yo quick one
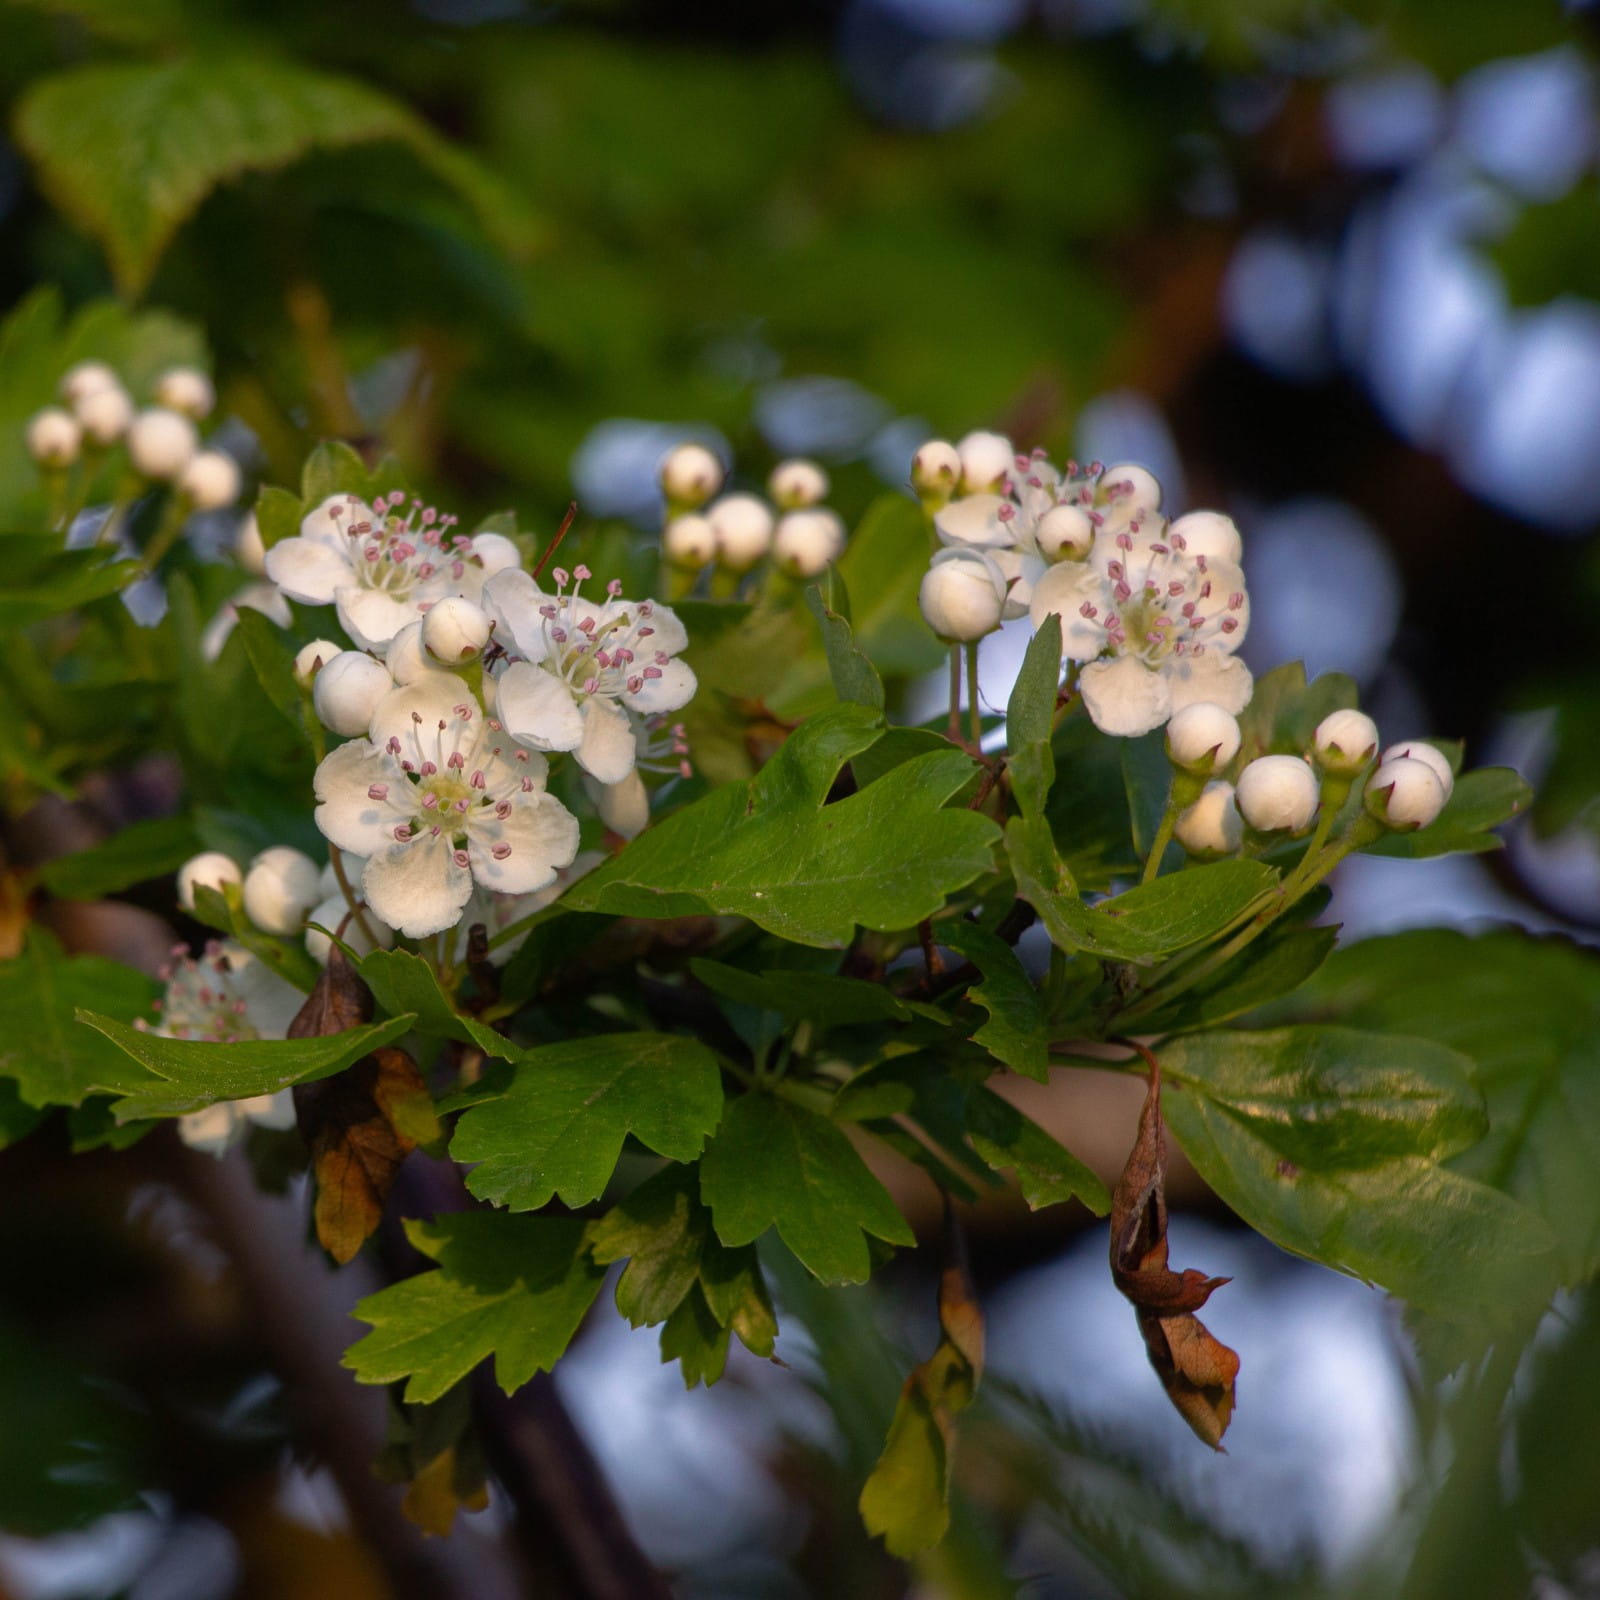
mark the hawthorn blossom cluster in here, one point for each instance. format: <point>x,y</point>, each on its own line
<point>790,529</point>
<point>1152,611</point>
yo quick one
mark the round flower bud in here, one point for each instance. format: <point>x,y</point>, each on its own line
<point>248,550</point>
<point>1345,741</point>
<point>347,691</point>
<point>332,911</point>
<point>689,541</point>
<point>54,437</point>
<point>986,459</point>
<point>1212,826</point>
<point>1404,793</point>
<point>936,469</point>
<point>280,888</point>
<point>742,525</point>
<point>210,481</point>
<point>804,542</point>
<point>210,868</point>
<point>186,389</point>
<point>312,658</point>
<point>1208,534</point>
<point>1202,737</point>
<point>690,475</point>
<point>1064,533</point>
<point>797,483</point>
<point>454,630</point>
<point>1131,487</point>
<point>104,414</point>
<point>406,658</point>
<point>161,444</point>
<point>83,378</point>
<point>962,595</point>
<point>1429,755</point>
<point>1277,792</point>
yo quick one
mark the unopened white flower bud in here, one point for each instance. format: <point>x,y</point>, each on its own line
<point>986,459</point>
<point>689,541</point>
<point>1064,533</point>
<point>1212,826</point>
<point>1277,792</point>
<point>280,888</point>
<point>624,807</point>
<point>331,912</point>
<point>690,475</point>
<point>312,658</point>
<point>742,526</point>
<point>1345,741</point>
<point>211,869</point>
<point>54,437</point>
<point>210,481</point>
<point>936,469</point>
<point>248,549</point>
<point>804,542</point>
<point>1209,534</point>
<point>161,444</point>
<point>1404,793</point>
<point>797,483</point>
<point>84,377</point>
<point>962,595</point>
<point>1430,755</point>
<point>186,389</point>
<point>1202,737</point>
<point>406,658</point>
<point>104,414</point>
<point>1126,484</point>
<point>454,630</point>
<point>347,691</point>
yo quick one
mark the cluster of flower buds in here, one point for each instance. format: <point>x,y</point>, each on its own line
<point>161,443</point>
<point>735,533</point>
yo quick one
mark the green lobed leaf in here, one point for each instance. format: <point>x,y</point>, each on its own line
<point>776,1164</point>
<point>854,676</point>
<point>1047,1172</point>
<point>1018,1029</point>
<point>53,1060</point>
<point>906,1499</point>
<point>558,1127</point>
<point>139,852</point>
<point>183,1075</point>
<point>660,1229</point>
<point>772,851</point>
<point>736,1292</point>
<point>403,983</point>
<point>694,1338</point>
<point>1351,1178</point>
<point>512,1287</point>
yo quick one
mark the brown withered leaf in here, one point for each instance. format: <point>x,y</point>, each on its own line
<point>1196,1369</point>
<point>440,1489</point>
<point>340,1001</point>
<point>360,1126</point>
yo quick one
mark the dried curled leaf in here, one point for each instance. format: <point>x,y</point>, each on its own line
<point>1196,1369</point>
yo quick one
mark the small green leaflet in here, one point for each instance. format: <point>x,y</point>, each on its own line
<point>141,851</point>
<point>772,851</point>
<point>187,1074</point>
<point>405,983</point>
<point>515,1288</point>
<point>660,1230</point>
<point>854,676</point>
<point>559,1125</point>
<point>1030,718</point>
<point>775,1164</point>
<point>1047,1172</point>
<point>1018,1029</point>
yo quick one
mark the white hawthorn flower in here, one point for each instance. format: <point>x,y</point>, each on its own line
<point>690,475</point>
<point>1430,756</point>
<point>574,669</point>
<point>985,459</point>
<point>1405,793</point>
<point>742,528</point>
<point>689,541</point>
<point>262,597</point>
<point>380,568</point>
<point>248,549</point>
<point>437,799</point>
<point>210,481</point>
<point>497,912</point>
<point>311,658</point>
<point>188,390</point>
<point>105,413</point>
<point>333,913</point>
<point>962,595</point>
<point>281,886</point>
<point>1278,792</point>
<point>455,630</point>
<point>224,996</point>
<point>84,377</point>
<point>406,657</point>
<point>160,443</point>
<point>797,483</point>
<point>805,541</point>
<point>1155,625</point>
<point>348,690</point>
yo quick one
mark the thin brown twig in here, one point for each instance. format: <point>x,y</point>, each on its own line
<point>555,543</point>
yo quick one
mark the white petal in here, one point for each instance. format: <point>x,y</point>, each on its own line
<point>607,751</point>
<point>512,599</point>
<point>543,836</point>
<point>1224,680</point>
<point>371,617</point>
<point>670,634</point>
<point>432,696</point>
<point>1022,570</point>
<point>417,888</point>
<point>308,570</point>
<point>537,708</point>
<point>1064,590</point>
<point>496,553</point>
<point>346,812</point>
<point>974,521</point>
<point>1125,698</point>
<point>675,687</point>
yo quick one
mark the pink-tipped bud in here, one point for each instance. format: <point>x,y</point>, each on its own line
<point>1404,793</point>
<point>1345,741</point>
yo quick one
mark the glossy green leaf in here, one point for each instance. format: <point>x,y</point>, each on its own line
<point>772,851</point>
<point>272,656</point>
<point>1018,1029</point>
<point>854,676</point>
<point>696,1340</point>
<point>559,1126</point>
<point>775,1164</point>
<point>1030,719</point>
<point>736,1292</point>
<point>139,852</point>
<point>515,1288</point>
<point>1047,1172</point>
<point>1265,970</point>
<point>660,1229</point>
<point>403,983</point>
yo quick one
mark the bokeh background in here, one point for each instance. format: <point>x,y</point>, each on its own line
<point>1331,267</point>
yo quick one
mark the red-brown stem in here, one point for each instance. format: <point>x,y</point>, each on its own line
<point>555,543</point>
